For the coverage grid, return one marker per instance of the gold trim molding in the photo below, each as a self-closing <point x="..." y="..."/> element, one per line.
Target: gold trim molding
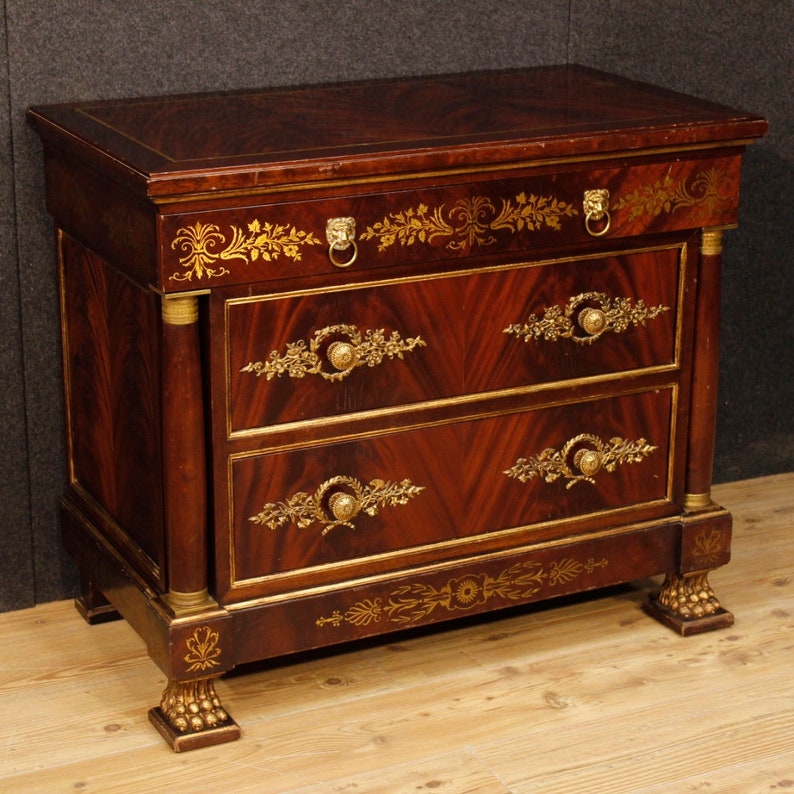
<point x="414" y="602"/>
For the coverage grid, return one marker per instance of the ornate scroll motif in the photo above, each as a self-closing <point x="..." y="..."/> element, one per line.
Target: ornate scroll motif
<point x="203" y="650"/>
<point x="205" y="247"/>
<point x="586" y="453"/>
<point x="336" y="503"/>
<point x="688" y="596"/>
<point x="709" y="188"/>
<point x="359" y="349"/>
<point x="469" y="221"/>
<point x="414" y="602"/>
<point x="585" y="318"/>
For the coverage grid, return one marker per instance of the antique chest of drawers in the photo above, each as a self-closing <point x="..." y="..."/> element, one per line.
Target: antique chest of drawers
<point x="346" y="359"/>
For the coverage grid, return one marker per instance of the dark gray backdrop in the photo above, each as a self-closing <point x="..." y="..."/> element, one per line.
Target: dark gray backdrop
<point x="738" y="52"/>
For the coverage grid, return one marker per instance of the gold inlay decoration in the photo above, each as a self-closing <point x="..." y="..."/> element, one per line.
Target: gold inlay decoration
<point x="580" y="459"/>
<point x="707" y="548"/>
<point x="344" y="347"/>
<point x="585" y="318"/>
<point x="709" y="188"/>
<point x="470" y="221"/>
<point x="336" y="503"/>
<point x="203" y="650"/>
<point x="411" y="603"/>
<point x="206" y="248"/>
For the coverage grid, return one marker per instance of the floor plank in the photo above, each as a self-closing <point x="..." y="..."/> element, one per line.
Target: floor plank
<point x="585" y="695"/>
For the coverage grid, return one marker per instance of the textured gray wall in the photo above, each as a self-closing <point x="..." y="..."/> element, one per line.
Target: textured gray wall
<point x="66" y="50"/>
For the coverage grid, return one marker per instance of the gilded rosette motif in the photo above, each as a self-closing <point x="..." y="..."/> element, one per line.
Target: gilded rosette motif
<point x="411" y="603"/>
<point x="708" y="189"/>
<point x="205" y="248"/>
<point x="336" y="503"/>
<point x="469" y="222"/>
<point x="585" y="318"/>
<point x="580" y="459"/>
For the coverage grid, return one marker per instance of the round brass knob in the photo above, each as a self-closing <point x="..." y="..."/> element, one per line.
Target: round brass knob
<point x="342" y="355"/>
<point x="593" y="321"/>
<point x="343" y="506"/>
<point x="588" y="461"/>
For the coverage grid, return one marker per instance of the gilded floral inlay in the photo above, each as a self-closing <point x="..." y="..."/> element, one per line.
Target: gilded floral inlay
<point x="203" y="649"/>
<point x="205" y="248"/>
<point x="709" y="188"/>
<point x="707" y="547"/>
<point x="413" y="602"/>
<point x="469" y="222"/>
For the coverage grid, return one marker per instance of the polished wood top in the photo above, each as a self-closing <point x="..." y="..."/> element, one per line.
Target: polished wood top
<point x="171" y="145"/>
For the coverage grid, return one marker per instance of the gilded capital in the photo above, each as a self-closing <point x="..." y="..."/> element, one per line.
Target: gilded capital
<point x="180" y="309"/>
<point x="711" y="242"/>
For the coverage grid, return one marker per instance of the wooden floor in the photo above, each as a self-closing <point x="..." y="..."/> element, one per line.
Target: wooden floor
<point x="587" y="696"/>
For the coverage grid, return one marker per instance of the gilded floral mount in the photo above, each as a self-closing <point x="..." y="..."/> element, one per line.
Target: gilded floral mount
<point x="351" y="348"/>
<point x="580" y="459"/>
<point x="585" y="318"/>
<point x="336" y="503"/>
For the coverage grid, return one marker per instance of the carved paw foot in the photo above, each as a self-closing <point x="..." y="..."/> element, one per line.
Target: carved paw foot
<point x="687" y="604"/>
<point x="191" y="715"/>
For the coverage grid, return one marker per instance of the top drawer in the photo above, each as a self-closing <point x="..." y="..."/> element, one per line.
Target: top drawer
<point x="274" y="241"/>
<point x="292" y="357"/>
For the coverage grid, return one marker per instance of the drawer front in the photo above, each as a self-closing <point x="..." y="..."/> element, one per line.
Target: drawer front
<point x="405" y="226"/>
<point x="340" y="352"/>
<point x="299" y="358"/>
<point x="575" y="318"/>
<point x="329" y="508"/>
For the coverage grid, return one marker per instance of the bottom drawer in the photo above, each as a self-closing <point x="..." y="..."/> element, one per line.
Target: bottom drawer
<point x="380" y="503"/>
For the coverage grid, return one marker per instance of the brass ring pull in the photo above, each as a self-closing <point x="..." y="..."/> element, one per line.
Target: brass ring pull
<point x="341" y="235"/>
<point x="580" y="459"/>
<point x="336" y="503"/>
<point x="596" y="207"/>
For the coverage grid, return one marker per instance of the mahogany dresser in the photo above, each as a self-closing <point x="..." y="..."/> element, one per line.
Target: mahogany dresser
<point x="346" y="359"/>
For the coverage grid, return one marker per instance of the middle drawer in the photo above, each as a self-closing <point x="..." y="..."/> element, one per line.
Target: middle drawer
<point x="398" y="496"/>
<point x="297" y="357"/>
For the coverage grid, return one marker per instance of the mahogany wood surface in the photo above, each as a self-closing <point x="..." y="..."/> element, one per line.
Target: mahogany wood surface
<point x="498" y="389"/>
